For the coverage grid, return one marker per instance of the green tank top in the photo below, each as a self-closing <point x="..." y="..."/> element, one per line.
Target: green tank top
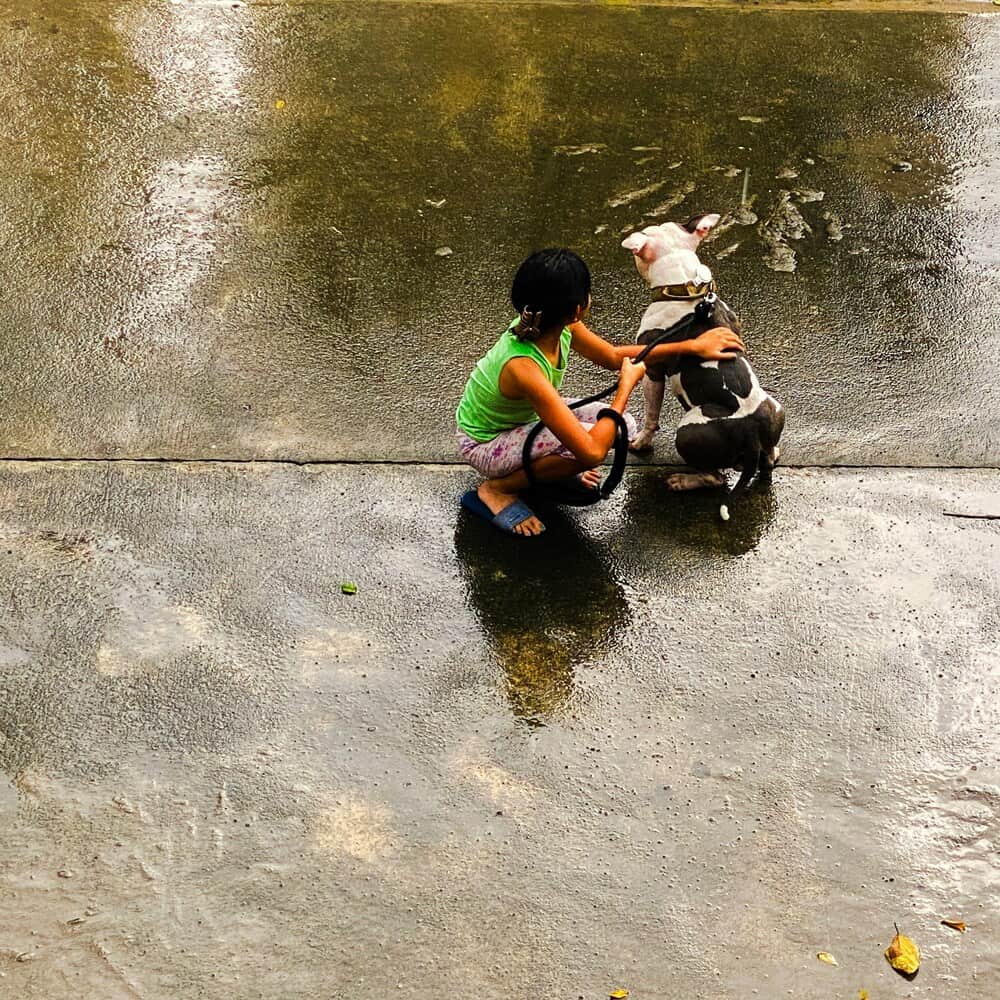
<point x="484" y="412"/>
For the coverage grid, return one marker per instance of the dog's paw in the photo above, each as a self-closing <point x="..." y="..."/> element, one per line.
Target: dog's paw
<point x="643" y="441"/>
<point x="680" y="481"/>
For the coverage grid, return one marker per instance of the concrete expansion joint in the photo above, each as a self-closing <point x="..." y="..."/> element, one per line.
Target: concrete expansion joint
<point x="783" y="6"/>
<point x="435" y="464"/>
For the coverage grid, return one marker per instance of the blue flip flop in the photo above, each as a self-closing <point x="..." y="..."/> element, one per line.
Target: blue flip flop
<point x="507" y="520"/>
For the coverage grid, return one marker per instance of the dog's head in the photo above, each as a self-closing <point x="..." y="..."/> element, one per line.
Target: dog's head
<point x="665" y="255"/>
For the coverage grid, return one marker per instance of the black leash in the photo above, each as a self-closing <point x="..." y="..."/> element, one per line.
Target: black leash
<point x="581" y="496"/>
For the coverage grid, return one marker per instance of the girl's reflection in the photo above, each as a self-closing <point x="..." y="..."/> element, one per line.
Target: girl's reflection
<point x="546" y="608"/>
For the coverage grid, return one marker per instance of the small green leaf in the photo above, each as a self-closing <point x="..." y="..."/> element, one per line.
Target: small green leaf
<point x="348" y="588"/>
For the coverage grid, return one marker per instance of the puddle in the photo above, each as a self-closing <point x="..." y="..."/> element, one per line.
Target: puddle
<point x="282" y="182"/>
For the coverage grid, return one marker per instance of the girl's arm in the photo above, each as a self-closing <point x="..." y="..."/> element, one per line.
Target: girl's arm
<point x="716" y="344"/>
<point x="521" y="378"/>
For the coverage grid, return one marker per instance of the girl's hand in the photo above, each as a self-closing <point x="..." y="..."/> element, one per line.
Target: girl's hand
<point x="630" y="374"/>
<point x="716" y="344"/>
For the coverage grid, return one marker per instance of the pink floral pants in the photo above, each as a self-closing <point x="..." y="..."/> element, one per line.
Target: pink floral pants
<point x="502" y="455"/>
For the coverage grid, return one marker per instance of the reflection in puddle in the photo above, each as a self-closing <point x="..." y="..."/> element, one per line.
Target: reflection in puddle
<point x="193" y="56"/>
<point x="955" y="814"/>
<point x="195" y="62"/>
<point x="689" y="523"/>
<point x="546" y="606"/>
<point x="187" y="198"/>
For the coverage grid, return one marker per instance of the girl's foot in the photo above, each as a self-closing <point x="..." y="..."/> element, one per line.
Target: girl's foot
<point x="497" y="500"/>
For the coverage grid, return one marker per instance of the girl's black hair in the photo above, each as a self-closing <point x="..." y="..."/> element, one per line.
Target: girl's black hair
<point x="547" y="289"/>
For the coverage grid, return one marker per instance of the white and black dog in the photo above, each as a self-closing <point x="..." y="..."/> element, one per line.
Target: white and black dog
<point x="729" y="421"/>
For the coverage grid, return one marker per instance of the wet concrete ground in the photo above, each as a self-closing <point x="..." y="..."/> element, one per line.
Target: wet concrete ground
<point x="647" y="751"/>
<point x="219" y="232"/>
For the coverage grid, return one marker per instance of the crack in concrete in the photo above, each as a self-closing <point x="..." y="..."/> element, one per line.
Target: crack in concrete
<point x="825" y="6"/>
<point x="434" y="464"/>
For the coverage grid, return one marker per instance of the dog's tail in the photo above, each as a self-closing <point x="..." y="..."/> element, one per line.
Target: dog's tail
<point x="751" y="460"/>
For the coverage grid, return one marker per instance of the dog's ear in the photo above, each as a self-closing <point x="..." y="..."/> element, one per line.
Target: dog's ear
<point x="641" y="245"/>
<point x="703" y="225"/>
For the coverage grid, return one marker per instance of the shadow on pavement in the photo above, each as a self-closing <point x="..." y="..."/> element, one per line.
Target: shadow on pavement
<point x="690" y="523"/>
<point x="547" y="606"/>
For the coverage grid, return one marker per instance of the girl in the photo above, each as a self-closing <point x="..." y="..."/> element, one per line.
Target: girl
<point x="516" y="383"/>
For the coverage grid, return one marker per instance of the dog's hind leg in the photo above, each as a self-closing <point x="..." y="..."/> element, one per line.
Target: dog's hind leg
<point x="652" y="395"/>
<point x="772" y="416"/>
<point x="767" y="463"/>
<point x="751" y="459"/>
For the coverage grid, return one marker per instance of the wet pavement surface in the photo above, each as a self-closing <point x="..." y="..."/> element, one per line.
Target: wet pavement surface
<point x="647" y="750"/>
<point x="220" y="223"/>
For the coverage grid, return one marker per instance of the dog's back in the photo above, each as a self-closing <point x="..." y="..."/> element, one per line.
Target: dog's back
<point x="717" y="390"/>
<point x="729" y="420"/>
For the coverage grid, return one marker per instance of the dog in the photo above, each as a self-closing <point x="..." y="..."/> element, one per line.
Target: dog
<point x="729" y="421"/>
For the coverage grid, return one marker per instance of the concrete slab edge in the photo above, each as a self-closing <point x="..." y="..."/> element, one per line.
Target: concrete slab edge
<point x="433" y="464"/>
<point x="811" y="6"/>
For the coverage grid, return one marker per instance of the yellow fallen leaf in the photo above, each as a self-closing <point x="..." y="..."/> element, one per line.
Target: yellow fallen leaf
<point x="279" y="103"/>
<point x="903" y="955"/>
<point x="825" y="956"/>
<point x="862" y="994"/>
<point x="955" y="925"/>
<point x="618" y="994"/>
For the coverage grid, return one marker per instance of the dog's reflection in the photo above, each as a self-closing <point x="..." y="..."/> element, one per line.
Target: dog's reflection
<point x="546" y="606"/>
<point x="687" y="524"/>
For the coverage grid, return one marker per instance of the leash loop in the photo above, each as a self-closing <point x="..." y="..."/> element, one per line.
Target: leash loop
<point x="614" y="477"/>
